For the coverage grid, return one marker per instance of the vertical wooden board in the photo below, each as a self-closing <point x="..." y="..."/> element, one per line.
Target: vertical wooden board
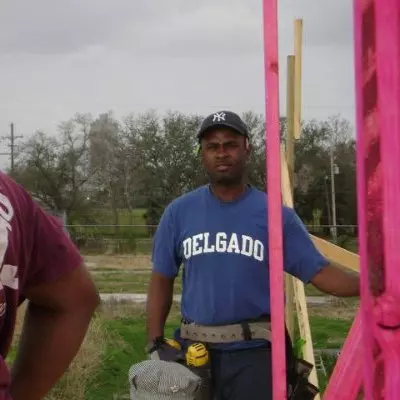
<point x="298" y="36"/>
<point x="273" y="167"/>
<point x="298" y="286"/>
<point x="290" y="118"/>
<point x="305" y="330"/>
<point x="289" y="306"/>
<point x="289" y="151"/>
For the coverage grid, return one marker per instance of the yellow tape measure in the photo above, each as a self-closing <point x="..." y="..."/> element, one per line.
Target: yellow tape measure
<point x="197" y="355"/>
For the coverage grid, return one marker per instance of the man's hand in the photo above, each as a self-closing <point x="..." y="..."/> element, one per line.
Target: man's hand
<point x="337" y="282"/>
<point x="56" y="321"/>
<point x="160" y="349"/>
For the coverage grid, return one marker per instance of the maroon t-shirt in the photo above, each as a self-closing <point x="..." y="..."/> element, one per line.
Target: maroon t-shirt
<point x="33" y="249"/>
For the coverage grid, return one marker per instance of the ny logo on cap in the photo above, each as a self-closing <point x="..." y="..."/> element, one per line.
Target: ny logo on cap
<point x="219" y="116"/>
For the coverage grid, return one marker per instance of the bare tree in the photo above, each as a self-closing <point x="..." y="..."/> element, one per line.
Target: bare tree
<point x="105" y="160"/>
<point x="56" y="170"/>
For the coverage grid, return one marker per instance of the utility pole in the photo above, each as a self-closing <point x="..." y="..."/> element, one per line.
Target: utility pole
<point x="12" y="145"/>
<point x="333" y="194"/>
<point x="328" y="203"/>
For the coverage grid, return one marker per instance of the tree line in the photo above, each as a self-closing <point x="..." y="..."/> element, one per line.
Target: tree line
<point x="145" y="160"/>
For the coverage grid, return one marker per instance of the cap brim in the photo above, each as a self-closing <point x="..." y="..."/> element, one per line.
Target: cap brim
<point x="220" y="125"/>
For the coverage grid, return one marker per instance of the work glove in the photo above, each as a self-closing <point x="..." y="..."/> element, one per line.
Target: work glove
<point x="165" y="350"/>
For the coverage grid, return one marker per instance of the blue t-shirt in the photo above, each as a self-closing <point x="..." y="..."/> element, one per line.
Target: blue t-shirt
<point x="223" y="250"/>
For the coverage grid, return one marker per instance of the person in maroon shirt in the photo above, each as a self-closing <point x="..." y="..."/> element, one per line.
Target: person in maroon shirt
<point x="41" y="265"/>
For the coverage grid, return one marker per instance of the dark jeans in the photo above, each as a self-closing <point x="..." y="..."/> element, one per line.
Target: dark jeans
<point x="242" y="374"/>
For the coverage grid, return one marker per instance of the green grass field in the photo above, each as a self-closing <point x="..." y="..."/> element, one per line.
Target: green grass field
<point x="130" y="331"/>
<point x="116" y="340"/>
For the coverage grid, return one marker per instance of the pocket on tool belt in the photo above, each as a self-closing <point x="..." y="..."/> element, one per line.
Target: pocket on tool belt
<point x="299" y="386"/>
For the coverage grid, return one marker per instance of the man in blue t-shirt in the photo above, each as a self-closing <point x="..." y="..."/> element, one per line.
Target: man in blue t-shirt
<point x="218" y="235"/>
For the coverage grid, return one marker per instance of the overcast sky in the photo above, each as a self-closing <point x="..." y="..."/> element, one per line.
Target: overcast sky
<point x="62" y="57"/>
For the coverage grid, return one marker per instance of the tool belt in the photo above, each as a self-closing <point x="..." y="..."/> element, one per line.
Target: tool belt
<point x="298" y="370"/>
<point x="226" y="333"/>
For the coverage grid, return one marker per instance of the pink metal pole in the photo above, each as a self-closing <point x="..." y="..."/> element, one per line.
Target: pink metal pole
<point x="274" y="206"/>
<point x="346" y="379"/>
<point x="366" y="102"/>
<point x="387" y="307"/>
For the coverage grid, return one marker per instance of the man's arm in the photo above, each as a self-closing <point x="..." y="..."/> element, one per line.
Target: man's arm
<point x="158" y="304"/>
<point x="337" y="282"/>
<point x="166" y="261"/>
<point x="304" y="261"/>
<point x="56" y="321"/>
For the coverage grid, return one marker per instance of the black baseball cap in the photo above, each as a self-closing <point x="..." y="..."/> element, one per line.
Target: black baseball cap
<point x="227" y="119"/>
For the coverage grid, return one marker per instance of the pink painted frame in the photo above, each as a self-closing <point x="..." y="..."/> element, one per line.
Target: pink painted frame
<point x="376" y="330"/>
<point x="370" y="358"/>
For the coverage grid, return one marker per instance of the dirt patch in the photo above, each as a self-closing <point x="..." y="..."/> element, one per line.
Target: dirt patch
<point x="118" y="262"/>
<point x="337" y="310"/>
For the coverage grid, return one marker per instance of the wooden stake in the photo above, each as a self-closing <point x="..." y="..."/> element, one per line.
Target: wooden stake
<point x="298" y="286"/>
<point x="298" y="34"/>
<point x="289" y="306"/>
<point x="290" y="118"/>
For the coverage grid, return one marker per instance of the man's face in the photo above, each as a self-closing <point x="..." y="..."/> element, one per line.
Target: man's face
<point x="224" y="155"/>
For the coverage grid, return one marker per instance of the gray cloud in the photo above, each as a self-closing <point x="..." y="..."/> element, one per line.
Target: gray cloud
<point x="174" y="28"/>
<point x="47" y="26"/>
<point x="58" y="58"/>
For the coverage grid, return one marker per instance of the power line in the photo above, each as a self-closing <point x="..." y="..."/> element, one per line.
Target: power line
<point x="12" y="137"/>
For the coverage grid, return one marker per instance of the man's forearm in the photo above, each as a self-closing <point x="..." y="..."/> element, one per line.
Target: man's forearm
<point x="49" y="342"/>
<point x="337" y="282"/>
<point x="158" y="306"/>
<point x="157" y="315"/>
<point x="350" y="287"/>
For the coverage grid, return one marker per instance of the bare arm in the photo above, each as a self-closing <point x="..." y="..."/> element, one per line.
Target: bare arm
<point x="56" y="322"/>
<point x="337" y="282"/>
<point x="159" y="301"/>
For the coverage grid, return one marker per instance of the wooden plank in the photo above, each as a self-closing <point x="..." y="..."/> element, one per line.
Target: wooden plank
<point x="289" y="290"/>
<point x="290" y="118"/>
<point x="305" y="330"/>
<point x="298" y="286"/>
<point x="298" y="37"/>
<point x="273" y="167"/>
<point x="290" y="306"/>
<point x="337" y="255"/>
